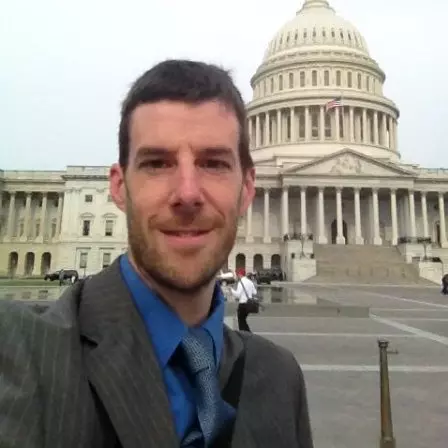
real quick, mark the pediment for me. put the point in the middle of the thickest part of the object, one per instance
(348, 163)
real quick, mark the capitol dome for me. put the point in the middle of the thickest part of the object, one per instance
(316, 24)
(318, 91)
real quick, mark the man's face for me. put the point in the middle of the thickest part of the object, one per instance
(183, 191)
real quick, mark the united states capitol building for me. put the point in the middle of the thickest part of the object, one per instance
(330, 178)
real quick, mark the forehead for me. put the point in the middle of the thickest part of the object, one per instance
(174, 124)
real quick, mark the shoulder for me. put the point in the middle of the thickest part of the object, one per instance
(20, 322)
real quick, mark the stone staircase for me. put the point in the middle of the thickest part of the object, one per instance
(363, 265)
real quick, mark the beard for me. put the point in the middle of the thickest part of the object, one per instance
(183, 272)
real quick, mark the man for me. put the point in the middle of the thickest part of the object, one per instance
(245, 290)
(445, 284)
(61, 277)
(138, 356)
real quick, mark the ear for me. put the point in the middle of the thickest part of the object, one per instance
(248, 190)
(117, 186)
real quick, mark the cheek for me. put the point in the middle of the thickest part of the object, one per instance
(225, 197)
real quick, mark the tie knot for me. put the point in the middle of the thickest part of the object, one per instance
(197, 345)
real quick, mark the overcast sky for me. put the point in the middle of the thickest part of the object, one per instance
(65, 66)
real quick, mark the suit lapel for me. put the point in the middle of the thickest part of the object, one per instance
(122, 366)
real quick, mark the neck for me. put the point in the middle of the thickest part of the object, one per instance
(191, 307)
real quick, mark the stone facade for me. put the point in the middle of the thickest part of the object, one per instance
(325, 174)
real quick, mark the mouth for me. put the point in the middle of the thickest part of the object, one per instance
(185, 233)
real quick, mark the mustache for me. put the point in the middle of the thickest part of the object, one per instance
(198, 223)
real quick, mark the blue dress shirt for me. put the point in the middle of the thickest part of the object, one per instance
(166, 331)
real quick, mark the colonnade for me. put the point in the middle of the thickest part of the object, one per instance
(312, 123)
(12, 211)
(319, 231)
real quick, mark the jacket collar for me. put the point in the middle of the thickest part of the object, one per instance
(122, 366)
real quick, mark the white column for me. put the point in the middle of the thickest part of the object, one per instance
(351, 126)
(303, 217)
(375, 128)
(443, 241)
(257, 131)
(395, 135)
(249, 237)
(267, 137)
(293, 125)
(340, 233)
(321, 239)
(43, 216)
(74, 212)
(384, 130)
(59, 215)
(364, 125)
(358, 232)
(279, 127)
(26, 227)
(391, 134)
(285, 212)
(337, 123)
(307, 124)
(11, 214)
(250, 130)
(393, 214)
(321, 123)
(412, 214)
(424, 215)
(266, 227)
(376, 219)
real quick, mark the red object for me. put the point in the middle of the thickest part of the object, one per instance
(241, 272)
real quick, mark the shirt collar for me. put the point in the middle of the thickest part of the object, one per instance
(162, 324)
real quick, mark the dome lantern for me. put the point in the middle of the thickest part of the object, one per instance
(315, 4)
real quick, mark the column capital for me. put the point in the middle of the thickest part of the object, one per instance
(393, 190)
(339, 189)
(357, 189)
(12, 193)
(423, 194)
(285, 188)
(441, 194)
(303, 189)
(266, 190)
(44, 194)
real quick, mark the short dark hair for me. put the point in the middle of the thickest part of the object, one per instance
(191, 82)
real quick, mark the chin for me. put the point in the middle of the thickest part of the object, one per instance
(183, 282)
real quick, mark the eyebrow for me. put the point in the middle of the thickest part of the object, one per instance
(156, 151)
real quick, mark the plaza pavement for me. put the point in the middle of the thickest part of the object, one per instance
(339, 357)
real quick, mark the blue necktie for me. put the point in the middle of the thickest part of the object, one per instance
(213, 411)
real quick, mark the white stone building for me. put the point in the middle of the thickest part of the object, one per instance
(323, 177)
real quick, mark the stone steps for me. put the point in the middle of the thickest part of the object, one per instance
(363, 264)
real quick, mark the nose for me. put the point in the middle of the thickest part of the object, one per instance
(187, 188)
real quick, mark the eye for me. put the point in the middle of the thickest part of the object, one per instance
(156, 164)
(216, 164)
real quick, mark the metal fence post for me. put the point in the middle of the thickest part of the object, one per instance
(387, 439)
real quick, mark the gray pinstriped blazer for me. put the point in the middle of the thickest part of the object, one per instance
(84, 375)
